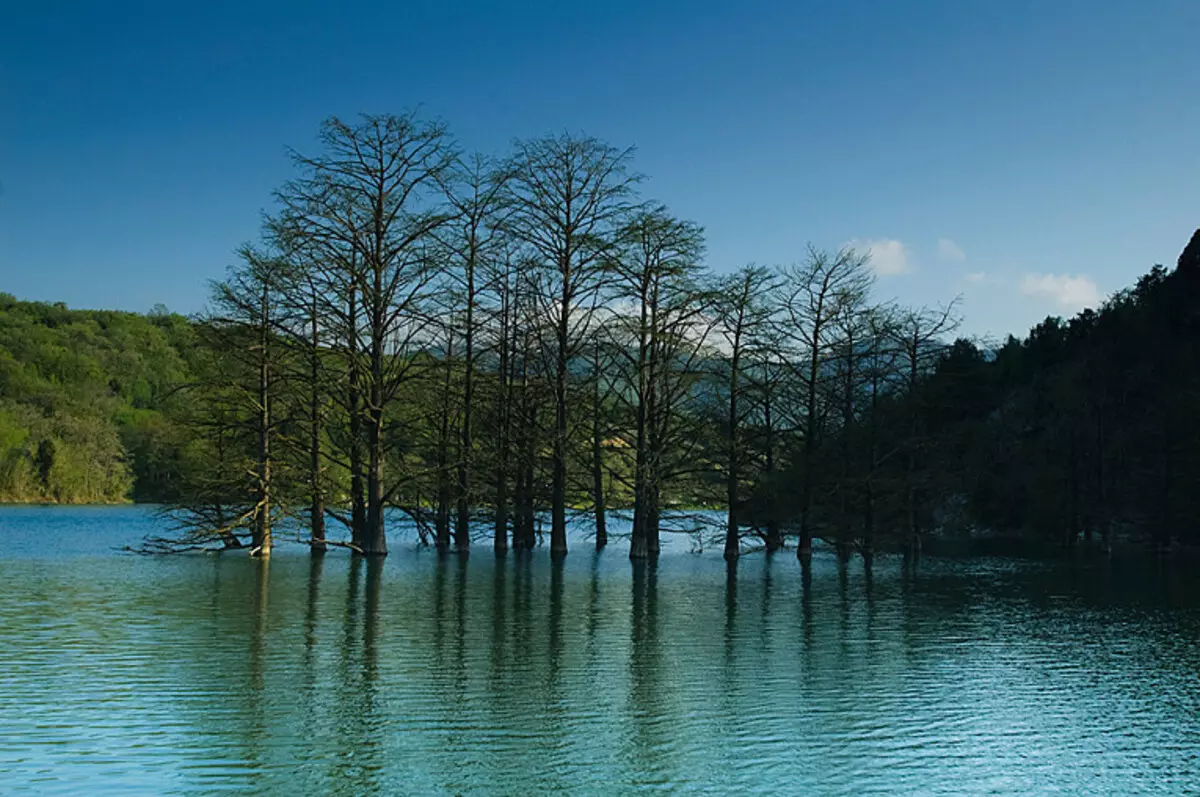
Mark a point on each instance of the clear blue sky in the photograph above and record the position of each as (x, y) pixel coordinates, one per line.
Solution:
(1027, 155)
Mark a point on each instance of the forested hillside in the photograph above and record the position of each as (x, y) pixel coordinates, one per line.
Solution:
(85, 403)
(1083, 431)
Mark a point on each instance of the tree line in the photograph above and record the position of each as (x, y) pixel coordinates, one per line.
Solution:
(482, 343)
(490, 346)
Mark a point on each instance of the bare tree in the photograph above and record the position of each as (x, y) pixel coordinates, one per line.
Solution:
(475, 241)
(566, 198)
(241, 328)
(743, 313)
(920, 338)
(815, 294)
(659, 267)
(373, 198)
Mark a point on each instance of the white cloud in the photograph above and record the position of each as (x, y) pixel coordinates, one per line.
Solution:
(948, 250)
(1070, 293)
(888, 256)
(976, 277)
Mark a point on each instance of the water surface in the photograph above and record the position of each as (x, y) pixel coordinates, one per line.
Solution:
(124, 674)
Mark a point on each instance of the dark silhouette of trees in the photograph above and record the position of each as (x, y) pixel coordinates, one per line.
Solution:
(743, 313)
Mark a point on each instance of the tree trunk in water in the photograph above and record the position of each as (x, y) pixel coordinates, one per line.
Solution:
(441, 520)
(732, 533)
(520, 500)
(375, 541)
(261, 545)
(500, 529)
(868, 549)
(316, 515)
(652, 523)
(503, 430)
(558, 497)
(524, 526)
(913, 546)
(597, 459)
(317, 509)
(638, 547)
(844, 550)
(868, 544)
(358, 503)
(444, 498)
(639, 544)
(528, 515)
(598, 494)
(774, 537)
(466, 442)
(846, 532)
(804, 547)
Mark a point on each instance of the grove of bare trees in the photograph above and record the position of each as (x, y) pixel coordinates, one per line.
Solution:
(487, 346)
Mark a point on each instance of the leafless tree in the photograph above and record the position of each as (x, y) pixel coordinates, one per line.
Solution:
(566, 198)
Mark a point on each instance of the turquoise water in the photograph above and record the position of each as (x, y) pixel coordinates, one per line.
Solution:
(124, 674)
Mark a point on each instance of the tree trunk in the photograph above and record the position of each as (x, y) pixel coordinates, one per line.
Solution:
(317, 508)
(358, 504)
(732, 532)
(774, 536)
(804, 548)
(261, 545)
(375, 541)
(868, 547)
(913, 544)
(558, 496)
(503, 419)
(462, 526)
(523, 532)
(639, 544)
(444, 498)
(597, 459)
(653, 514)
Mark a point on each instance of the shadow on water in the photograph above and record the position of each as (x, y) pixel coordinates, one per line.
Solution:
(806, 601)
(359, 758)
(258, 736)
(647, 702)
(555, 634)
(498, 650)
(593, 612)
(731, 584)
(460, 658)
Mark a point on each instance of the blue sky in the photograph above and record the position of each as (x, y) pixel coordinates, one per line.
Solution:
(1028, 156)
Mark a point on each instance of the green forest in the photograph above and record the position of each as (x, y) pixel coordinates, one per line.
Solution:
(86, 403)
(487, 344)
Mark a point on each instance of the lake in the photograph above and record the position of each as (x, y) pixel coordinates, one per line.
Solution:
(127, 674)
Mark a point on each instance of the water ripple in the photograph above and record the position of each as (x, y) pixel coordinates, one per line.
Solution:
(424, 676)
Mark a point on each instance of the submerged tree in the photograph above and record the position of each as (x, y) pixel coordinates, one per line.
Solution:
(825, 287)
(566, 198)
(659, 269)
(369, 204)
(743, 314)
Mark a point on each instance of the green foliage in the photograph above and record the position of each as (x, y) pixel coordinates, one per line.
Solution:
(86, 403)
